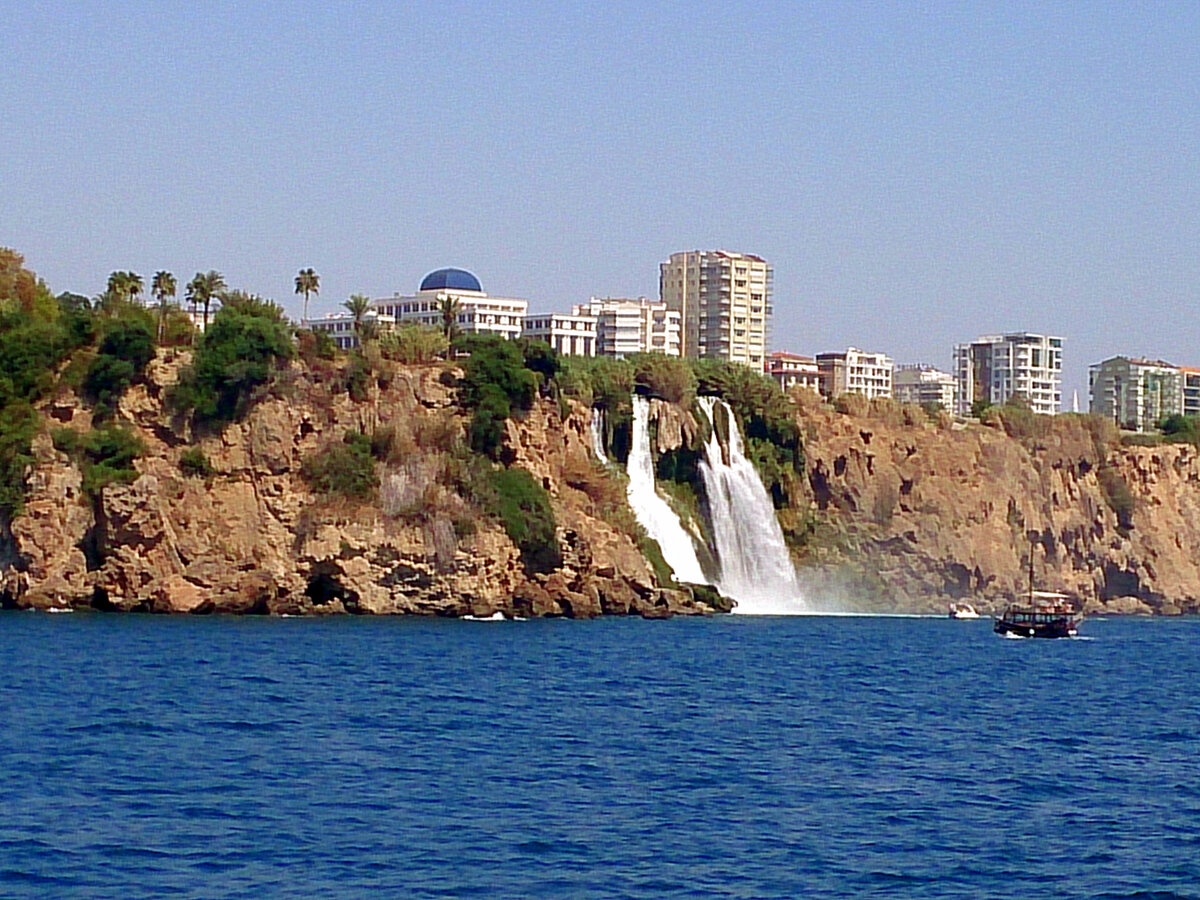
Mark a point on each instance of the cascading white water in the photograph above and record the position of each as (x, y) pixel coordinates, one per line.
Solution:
(756, 569)
(597, 426)
(651, 510)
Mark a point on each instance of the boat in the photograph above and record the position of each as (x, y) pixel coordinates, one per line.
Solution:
(963, 611)
(1042, 614)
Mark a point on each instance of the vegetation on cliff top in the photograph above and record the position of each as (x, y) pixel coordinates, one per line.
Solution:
(246, 341)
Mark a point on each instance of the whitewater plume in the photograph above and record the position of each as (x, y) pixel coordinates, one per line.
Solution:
(651, 510)
(597, 428)
(755, 567)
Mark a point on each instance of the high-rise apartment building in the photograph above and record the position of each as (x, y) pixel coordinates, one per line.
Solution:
(1134, 393)
(724, 300)
(625, 326)
(1191, 390)
(998, 367)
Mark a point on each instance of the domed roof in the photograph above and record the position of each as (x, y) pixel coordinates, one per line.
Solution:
(454, 279)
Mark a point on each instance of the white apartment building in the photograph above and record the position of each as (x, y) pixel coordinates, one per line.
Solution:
(996, 367)
(625, 326)
(724, 300)
(922, 384)
(1135, 393)
(855, 371)
(477, 311)
(793, 370)
(340, 326)
(569, 335)
(1191, 390)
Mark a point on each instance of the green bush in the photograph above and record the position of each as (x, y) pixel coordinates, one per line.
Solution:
(486, 431)
(523, 508)
(194, 464)
(345, 468)
(18, 425)
(108, 455)
(496, 378)
(1117, 494)
(668, 377)
(245, 342)
(414, 344)
(1180, 429)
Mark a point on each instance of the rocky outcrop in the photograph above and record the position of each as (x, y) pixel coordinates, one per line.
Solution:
(906, 514)
(253, 538)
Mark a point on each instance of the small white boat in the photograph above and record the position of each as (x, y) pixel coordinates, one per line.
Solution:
(963, 611)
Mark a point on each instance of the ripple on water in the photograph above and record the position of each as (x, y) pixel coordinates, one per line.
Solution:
(822, 757)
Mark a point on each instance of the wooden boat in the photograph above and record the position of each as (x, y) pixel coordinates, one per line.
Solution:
(1042, 614)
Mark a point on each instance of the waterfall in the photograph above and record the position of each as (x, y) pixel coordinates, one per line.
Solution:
(756, 568)
(597, 427)
(651, 510)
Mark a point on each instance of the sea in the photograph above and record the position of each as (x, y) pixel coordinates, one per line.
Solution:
(739, 757)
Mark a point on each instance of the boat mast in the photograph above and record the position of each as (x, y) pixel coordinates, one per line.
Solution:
(1031, 545)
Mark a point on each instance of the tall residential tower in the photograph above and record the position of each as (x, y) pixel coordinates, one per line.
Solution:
(724, 300)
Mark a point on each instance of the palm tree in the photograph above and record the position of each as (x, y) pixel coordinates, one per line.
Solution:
(307, 282)
(133, 285)
(202, 289)
(450, 309)
(358, 305)
(124, 285)
(162, 287)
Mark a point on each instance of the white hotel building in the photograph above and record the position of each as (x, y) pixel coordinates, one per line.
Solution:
(478, 312)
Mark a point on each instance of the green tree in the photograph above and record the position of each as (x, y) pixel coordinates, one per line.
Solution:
(124, 286)
(163, 286)
(307, 282)
(248, 339)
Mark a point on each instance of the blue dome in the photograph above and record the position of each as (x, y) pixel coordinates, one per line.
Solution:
(454, 279)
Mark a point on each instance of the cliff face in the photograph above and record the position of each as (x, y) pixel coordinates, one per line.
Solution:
(906, 515)
(896, 513)
(254, 538)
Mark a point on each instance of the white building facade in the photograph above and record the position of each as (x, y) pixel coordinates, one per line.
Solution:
(724, 300)
(790, 370)
(924, 384)
(625, 326)
(477, 312)
(569, 335)
(855, 371)
(340, 326)
(1136, 394)
(998, 367)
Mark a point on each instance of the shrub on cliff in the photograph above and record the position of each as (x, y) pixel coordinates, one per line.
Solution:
(496, 378)
(108, 455)
(414, 344)
(1117, 494)
(668, 377)
(37, 331)
(194, 464)
(246, 341)
(523, 508)
(124, 352)
(346, 468)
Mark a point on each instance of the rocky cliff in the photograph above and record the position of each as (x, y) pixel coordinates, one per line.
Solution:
(903, 513)
(894, 512)
(252, 537)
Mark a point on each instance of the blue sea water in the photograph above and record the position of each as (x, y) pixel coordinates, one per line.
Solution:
(727, 757)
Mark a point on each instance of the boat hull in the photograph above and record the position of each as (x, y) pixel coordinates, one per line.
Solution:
(1055, 628)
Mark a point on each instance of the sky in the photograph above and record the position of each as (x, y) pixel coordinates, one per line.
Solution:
(918, 174)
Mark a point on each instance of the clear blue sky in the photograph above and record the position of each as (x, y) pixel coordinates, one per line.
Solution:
(918, 174)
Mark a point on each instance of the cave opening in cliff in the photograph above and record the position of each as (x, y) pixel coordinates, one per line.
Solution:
(323, 588)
